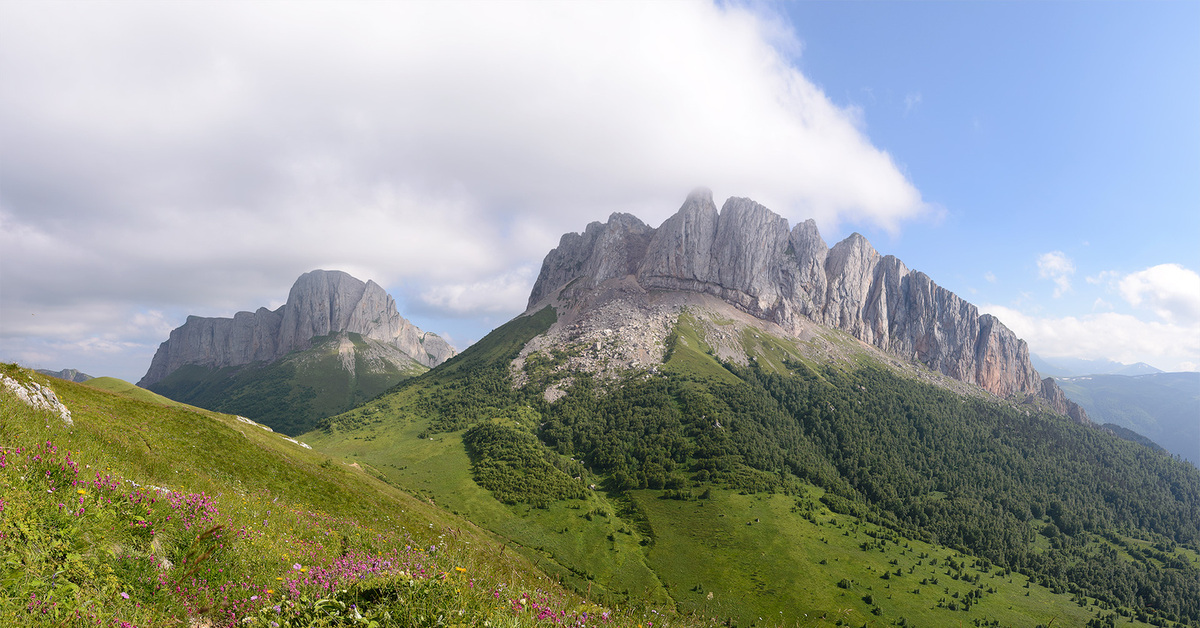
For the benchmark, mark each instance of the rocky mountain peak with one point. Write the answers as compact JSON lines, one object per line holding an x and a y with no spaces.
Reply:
{"x":320,"y":302}
{"x":747,"y":255}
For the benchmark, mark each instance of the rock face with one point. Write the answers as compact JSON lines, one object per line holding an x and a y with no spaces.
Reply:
{"x":37,"y":396}
{"x":746,"y":255}
{"x":320,"y":303}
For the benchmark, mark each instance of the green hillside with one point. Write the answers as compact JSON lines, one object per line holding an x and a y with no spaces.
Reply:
{"x":290,"y":395}
{"x":139,"y":514}
{"x":120,"y":386}
{"x":791,"y":492}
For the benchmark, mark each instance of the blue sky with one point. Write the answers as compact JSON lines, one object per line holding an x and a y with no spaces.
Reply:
{"x":1042,"y":160}
{"x":1037,"y":128}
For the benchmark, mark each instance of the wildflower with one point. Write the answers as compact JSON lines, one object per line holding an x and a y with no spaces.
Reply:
{"x":270,"y":591}
{"x":296,"y":566}
{"x":460,"y":570}
{"x":124,"y":595}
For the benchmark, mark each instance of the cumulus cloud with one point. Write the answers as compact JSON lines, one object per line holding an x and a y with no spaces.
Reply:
{"x":1170,"y":290}
{"x":1057,"y":267}
{"x":193,"y":157}
{"x":1107,"y":335}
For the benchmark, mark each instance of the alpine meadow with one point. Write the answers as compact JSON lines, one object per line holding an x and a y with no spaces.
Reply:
{"x":692,"y":314}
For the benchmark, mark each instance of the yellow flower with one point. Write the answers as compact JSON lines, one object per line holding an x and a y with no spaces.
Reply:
{"x":270,"y":591}
{"x":460,"y":570}
{"x":81,"y":492}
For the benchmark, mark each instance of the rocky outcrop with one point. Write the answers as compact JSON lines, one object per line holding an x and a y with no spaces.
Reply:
{"x":320,"y":303}
{"x":746,"y":255}
{"x":1059,"y":402}
{"x":38,"y":397}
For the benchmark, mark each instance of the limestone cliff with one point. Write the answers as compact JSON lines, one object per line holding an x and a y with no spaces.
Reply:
{"x":746,"y":255}
{"x":320,"y":303}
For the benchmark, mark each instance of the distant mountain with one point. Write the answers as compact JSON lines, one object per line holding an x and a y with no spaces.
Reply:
{"x":1164,"y":407}
{"x":1070,"y":367}
{"x":336,"y":342}
{"x":71,"y":375}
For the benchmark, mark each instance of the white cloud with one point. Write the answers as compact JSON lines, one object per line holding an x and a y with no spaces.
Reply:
{"x":1057,"y":267}
{"x":1103,"y":277}
{"x":507,"y":292}
{"x":1107,"y":335}
{"x":990,"y":277}
{"x":1170,"y":290}
{"x":193,"y":157}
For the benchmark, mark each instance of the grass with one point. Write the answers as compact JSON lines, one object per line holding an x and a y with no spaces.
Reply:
{"x":775,"y":557}
{"x":140,"y":514}
{"x":781,"y":558}
{"x":120,"y":386}
{"x":694,"y":357}
{"x":569,"y":539}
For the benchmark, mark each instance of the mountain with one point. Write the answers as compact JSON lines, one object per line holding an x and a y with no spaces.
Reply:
{"x":1164,"y":407}
{"x":746,"y":256}
{"x":1068,"y":367}
{"x":336,"y":342}
{"x":726,"y":417}
{"x":321,"y":302}
{"x":71,"y":375}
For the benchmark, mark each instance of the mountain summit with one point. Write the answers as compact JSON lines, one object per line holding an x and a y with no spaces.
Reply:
{"x":747,"y":256}
{"x":336,"y":343}
{"x":320,"y":303}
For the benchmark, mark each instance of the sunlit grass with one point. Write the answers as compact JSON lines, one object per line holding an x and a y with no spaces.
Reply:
{"x":140,"y":515}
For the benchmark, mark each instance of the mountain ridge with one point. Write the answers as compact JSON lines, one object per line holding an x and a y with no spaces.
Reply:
{"x":746,"y":255}
{"x":71,"y":375}
{"x":320,"y":302}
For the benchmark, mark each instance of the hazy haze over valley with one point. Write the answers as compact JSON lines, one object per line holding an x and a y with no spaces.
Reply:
{"x":166,"y":160}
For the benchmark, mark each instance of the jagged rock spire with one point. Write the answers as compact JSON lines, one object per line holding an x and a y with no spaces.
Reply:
{"x":746,"y":255}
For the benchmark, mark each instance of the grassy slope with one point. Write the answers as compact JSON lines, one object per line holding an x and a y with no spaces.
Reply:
{"x":122,"y":387}
{"x":562,"y":539}
{"x":650,"y":547}
{"x":278,"y":505}
{"x":760,"y":556}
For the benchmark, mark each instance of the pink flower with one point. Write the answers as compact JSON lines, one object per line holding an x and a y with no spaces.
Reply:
{"x":124,"y":595}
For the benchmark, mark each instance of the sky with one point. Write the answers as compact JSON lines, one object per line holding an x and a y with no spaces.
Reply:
{"x":1041,"y":160}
